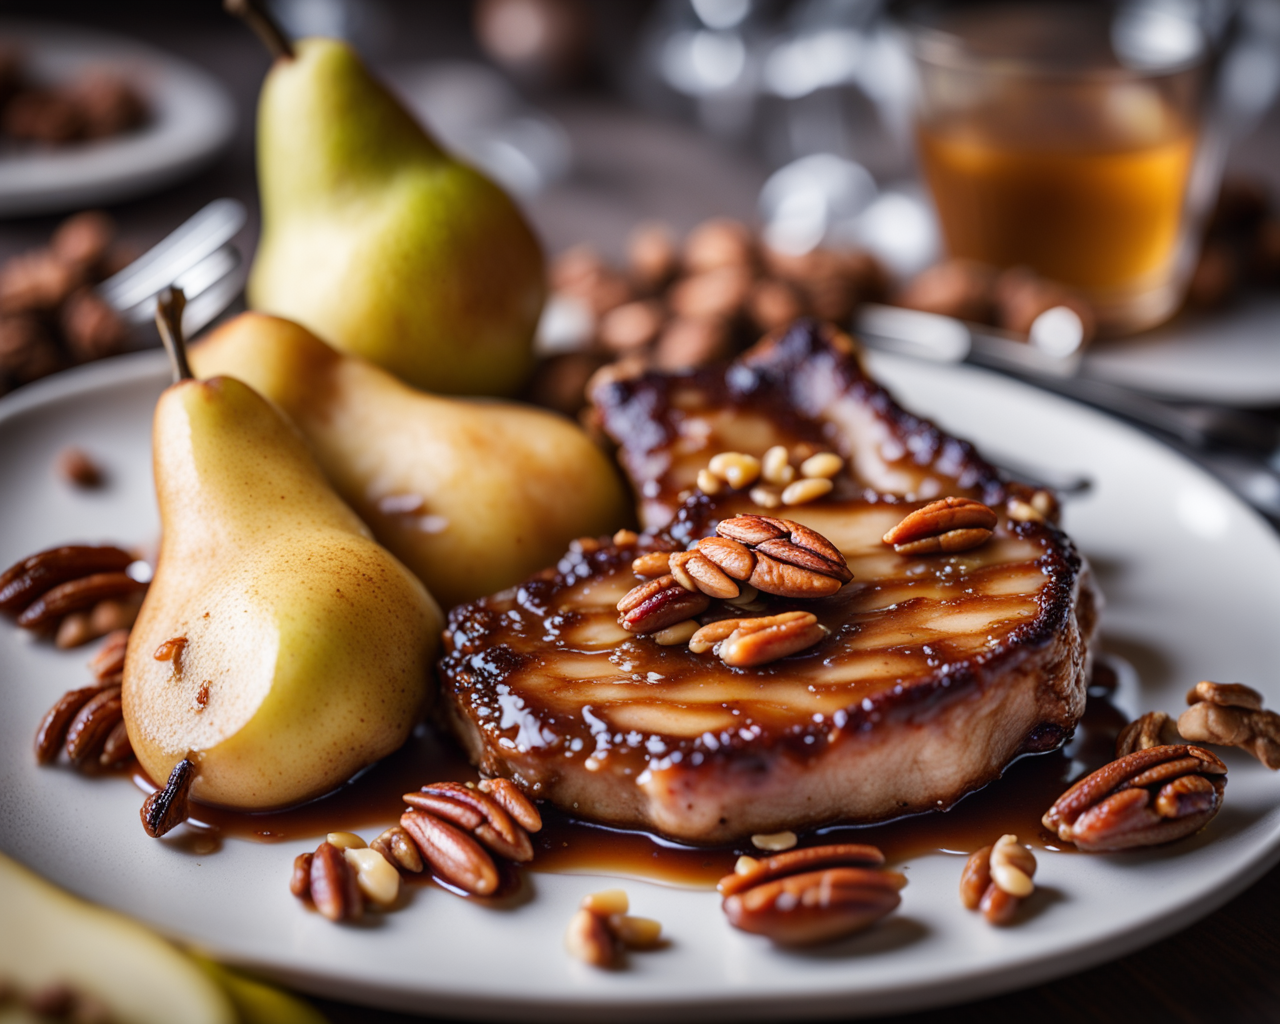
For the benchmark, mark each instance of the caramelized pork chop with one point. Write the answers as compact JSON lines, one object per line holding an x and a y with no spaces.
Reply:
{"x":936,"y":672}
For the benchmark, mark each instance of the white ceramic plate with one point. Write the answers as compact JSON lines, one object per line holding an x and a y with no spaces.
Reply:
{"x":1193,"y":580}
{"x":192,"y":118}
{"x":1230,"y":355}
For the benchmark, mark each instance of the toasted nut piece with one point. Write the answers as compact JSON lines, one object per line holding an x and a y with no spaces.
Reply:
{"x":786,"y":580}
{"x":635,"y":932}
{"x":514,"y":802}
{"x":589,"y":939}
{"x":76,"y":467}
{"x":88,"y":731}
{"x":114,"y":614}
{"x":1230,"y":695}
{"x":951,"y":524}
{"x":76,"y":595}
{"x":300,"y":881}
{"x":765,"y":496}
{"x":711,"y":634}
{"x":774,"y":842}
{"x":733,"y":558}
{"x":378,"y":880}
{"x":1154,"y":729}
{"x":694,"y":571}
{"x":398,"y":848}
{"x":334,"y":889}
{"x":1045,"y":503}
{"x":776,"y":466}
{"x":719,"y":242}
{"x":477,"y":811}
{"x":975,"y":879}
{"x":454,"y":856}
{"x":1186,"y":795}
{"x":824,"y":464}
{"x":737,"y":469}
{"x":998,"y":906}
{"x":769,"y":638}
{"x":747,"y":595}
{"x":625,"y":538}
{"x":651,"y":254}
{"x":1110,"y":809}
{"x":167,"y":808}
{"x":1257,"y":732}
{"x":35,"y":575}
{"x":794,"y":862}
{"x":662,"y":603}
{"x":708,"y":482}
{"x":118,"y":748}
{"x":1012,"y":867}
{"x":754,"y":644}
{"x":680,"y":633}
{"x":1023,"y":512}
{"x":651,"y":565}
{"x":816,"y":906}
{"x":752,"y":530}
{"x":74,"y":631}
{"x":52,"y":732}
{"x":630,"y":326}
{"x":345,"y":841}
{"x":804,"y":491}
{"x":606,"y":902}
{"x":110,"y":657}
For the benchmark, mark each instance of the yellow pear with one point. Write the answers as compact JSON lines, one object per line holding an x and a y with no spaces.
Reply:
{"x":51,"y":938}
{"x":472,"y":495}
{"x":279,"y":646}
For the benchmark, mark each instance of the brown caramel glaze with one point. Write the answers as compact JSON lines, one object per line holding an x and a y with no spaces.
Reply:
{"x":542,"y":685}
{"x":800,"y":386}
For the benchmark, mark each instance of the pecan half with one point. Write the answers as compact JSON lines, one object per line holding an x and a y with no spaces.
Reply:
{"x":1232,"y":715}
{"x":1154,"y":729}
{"x":455,"y":858}
{"x":24,"y":582}
{"x":76,"y":595}
{"x":107,"y":665}
{"x":52,"y":732}
{"x":167,"y":808}
{"x":777,"y":556}
{"x":87,"y":734}
{"x":1139,"y":800}
{"x":950,"y":524}
{"x":478,"y":813}
{"x":803,"y":897}
{"x":769,"y":638}
{"x":396,"y":845}
{"x":695,"y":572}
{"x":514,"y":802}
{"x":997,"y":878}
{"x":660,"y":603}
{"x":333,"y":887}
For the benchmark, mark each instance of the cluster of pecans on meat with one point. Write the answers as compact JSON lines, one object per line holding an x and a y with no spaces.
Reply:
{"x":74,"y":593}
{"x":779,"y":477}
{"x":50,"y":315}
{"x":602,"y":929}
{"x":677,"y":306}
{"x":94,"y":105}
{"x":749,"y":555}
{"x":463,"y":833}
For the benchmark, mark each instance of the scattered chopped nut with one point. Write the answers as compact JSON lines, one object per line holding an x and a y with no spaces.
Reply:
{"x":824,"y":464}
{"x":77,"y":468}
{"x":601,"y":928}
{"x":804,"y":491}
{"x":737,"y":469}
{"x":1231,"y":714}
{"x":774,"y":842}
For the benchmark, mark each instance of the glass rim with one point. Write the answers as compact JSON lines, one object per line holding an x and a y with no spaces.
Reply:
{"x":940,"y":47}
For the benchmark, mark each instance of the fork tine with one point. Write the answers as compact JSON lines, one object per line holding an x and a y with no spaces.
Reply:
{"x":193,"y":241}
{"x":205,"y":274}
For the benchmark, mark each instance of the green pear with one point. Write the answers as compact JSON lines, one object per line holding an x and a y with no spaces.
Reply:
{"x":472,"y":495}
{"x":382,"y":243}
{"x":302,"y":650}
{"x":51,"y":938}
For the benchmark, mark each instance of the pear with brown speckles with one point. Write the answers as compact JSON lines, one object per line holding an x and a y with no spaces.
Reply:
{"x":308,"y":646}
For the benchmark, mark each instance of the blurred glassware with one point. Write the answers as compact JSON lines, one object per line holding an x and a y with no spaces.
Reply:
{"x":476,"y":113}
{"x":1084,"y":140}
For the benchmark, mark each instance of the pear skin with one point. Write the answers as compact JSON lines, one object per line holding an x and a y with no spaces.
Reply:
{"x":473,"y":496}
{"x":380,"y":242}
{"x":308,"y":647}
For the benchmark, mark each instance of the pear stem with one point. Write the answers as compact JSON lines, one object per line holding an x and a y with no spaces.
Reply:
{"x":169,"y":306}
{"x":263,"y":24}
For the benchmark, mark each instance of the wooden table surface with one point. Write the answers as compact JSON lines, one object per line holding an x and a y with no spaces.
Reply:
{"x":629,"y":166}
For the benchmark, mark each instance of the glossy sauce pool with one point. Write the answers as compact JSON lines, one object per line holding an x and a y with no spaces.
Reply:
{"x":1012,"y":804}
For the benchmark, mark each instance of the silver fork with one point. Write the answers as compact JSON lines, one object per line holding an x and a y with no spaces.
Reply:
{"x":197,"y":257}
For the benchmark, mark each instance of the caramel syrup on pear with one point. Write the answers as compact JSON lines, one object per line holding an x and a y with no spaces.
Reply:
{"x":1012,"y":804}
